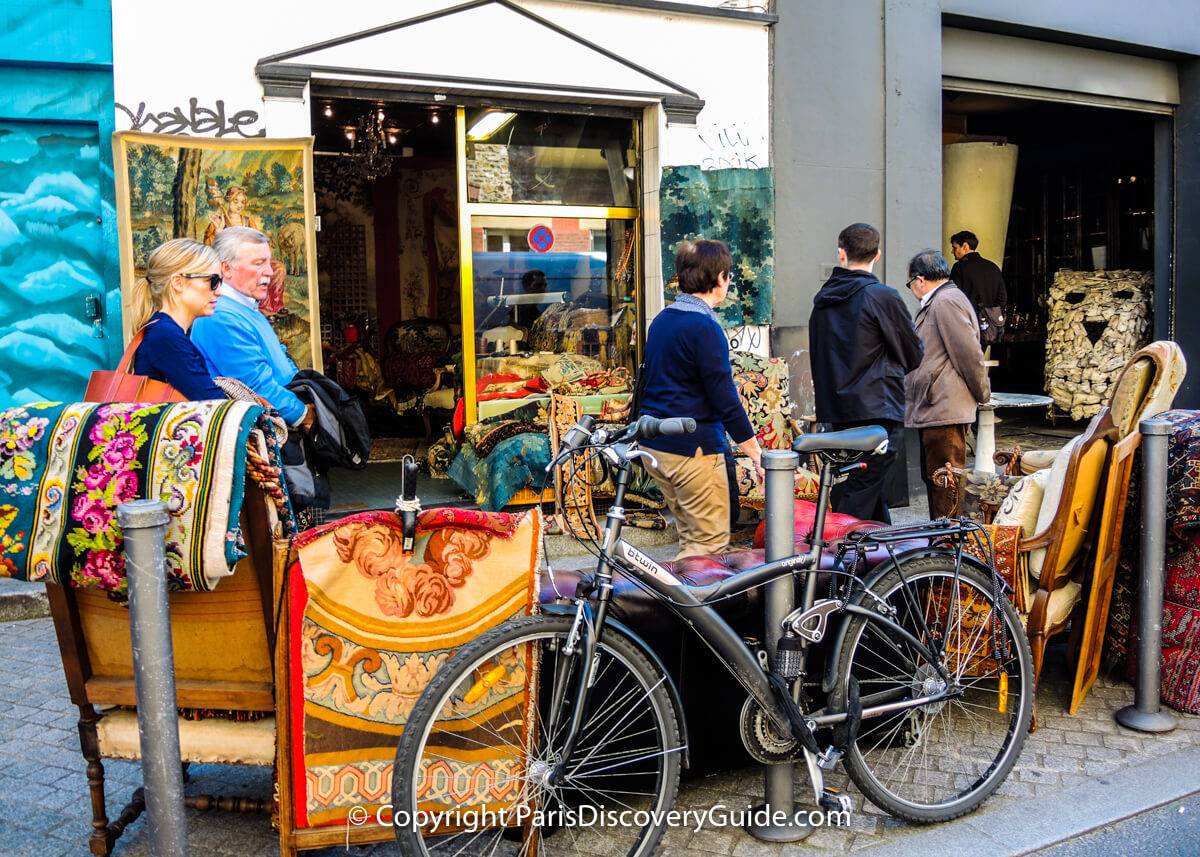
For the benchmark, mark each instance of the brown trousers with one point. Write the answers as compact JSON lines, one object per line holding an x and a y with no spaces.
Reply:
{"x":942,"y":445}
{"x":696,"y":489}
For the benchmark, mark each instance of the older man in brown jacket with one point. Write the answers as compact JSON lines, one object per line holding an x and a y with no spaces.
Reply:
{"x":944,"y":392}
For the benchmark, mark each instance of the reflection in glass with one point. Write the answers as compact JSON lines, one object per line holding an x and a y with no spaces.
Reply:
{"x":550,"y":158}
{"x":560,"y":320}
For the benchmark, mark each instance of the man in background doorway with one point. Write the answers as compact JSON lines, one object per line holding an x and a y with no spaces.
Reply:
{"x":863,"y":343}
{"x":944,"y":392}
{"x":982,"y":282}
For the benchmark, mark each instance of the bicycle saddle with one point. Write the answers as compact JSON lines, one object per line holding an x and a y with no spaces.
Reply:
{"x":864,"y":439}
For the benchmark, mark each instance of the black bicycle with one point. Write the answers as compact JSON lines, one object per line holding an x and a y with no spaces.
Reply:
{"x":562,"y":732}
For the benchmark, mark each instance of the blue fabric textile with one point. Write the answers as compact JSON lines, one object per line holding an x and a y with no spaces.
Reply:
{"x":687,"y":374}
{"x":515,"y":463}
{"x":238,"y":342}
{"x":166,"y":354}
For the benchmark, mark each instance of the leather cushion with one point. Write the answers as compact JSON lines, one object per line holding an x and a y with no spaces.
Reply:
{"x":837,"y":525}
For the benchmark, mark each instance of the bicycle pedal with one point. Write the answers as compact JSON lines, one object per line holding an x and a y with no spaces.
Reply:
{"x":835,"y":801}
{"x":830,"y":758}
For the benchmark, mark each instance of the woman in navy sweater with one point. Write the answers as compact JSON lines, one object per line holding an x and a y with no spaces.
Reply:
{"x":182,"y":277}
{"x":686,"y":373}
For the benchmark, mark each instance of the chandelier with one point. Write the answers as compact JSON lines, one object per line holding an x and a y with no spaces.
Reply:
{"x":370,"y":157}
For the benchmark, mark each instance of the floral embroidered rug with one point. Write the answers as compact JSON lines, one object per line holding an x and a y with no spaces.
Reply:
{"x":64,"y":469}
{"x":368,"y":627}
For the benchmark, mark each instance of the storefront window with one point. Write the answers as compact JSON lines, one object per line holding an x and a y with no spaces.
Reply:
{"x":555,"y":309}
{"x":545,"y":158}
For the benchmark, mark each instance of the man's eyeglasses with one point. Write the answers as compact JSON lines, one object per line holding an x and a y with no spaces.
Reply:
{"x":214,"y":280}
{"x":912,"y":280}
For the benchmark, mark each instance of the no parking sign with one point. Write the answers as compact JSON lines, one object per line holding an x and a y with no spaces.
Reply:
{"x":541,"y":238}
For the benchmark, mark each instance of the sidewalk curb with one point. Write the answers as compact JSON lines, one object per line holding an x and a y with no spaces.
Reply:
{"x":1024,"y":826}
{"x":20,"y":600}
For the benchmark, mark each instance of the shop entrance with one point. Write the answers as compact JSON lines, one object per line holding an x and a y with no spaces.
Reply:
{"x":388,"y":277}
{"x":1082,"y":215}
{"x":471,"y":260}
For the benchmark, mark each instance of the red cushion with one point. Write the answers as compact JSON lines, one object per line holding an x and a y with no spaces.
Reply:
{"x":837,"y":525}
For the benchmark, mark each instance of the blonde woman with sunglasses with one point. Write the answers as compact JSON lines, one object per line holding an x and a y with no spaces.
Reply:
{"x":181,"y":282}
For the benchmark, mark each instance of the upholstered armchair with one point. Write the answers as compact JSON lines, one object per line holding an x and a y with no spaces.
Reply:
{"x":762,"y":384}
{"x":417,"y":366}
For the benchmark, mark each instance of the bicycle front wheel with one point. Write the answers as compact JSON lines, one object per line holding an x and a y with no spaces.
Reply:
{"x":937,"y":761}
{"x":473,"y":767}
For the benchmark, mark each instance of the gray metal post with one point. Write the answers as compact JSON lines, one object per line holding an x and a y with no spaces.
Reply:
{"x":1146,"y":714}
{"x":780,"y":467}
{"x":143,"y":523}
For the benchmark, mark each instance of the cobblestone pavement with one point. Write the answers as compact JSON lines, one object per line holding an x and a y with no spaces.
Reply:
{"x":44,"y":806}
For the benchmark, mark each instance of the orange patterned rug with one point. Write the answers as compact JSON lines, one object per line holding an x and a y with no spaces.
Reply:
{"x":369,"y":627}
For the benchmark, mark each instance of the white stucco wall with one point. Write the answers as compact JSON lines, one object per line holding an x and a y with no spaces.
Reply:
{"x":161,"y":62}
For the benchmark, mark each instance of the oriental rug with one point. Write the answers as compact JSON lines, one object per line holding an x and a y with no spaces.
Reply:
{"x":369,"y":625}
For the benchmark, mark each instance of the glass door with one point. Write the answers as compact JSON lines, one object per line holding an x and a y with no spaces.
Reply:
{"x":549,"y":258}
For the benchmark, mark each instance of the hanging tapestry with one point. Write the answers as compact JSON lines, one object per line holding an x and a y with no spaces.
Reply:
{"x":169,"y":186}
{"x":64,"y":469}
{"x":368,"y":627}
{"x":736,"y":206}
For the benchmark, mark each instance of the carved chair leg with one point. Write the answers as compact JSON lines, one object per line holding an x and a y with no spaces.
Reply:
{"x":101,"y":841}
{"x":1037,"y":645}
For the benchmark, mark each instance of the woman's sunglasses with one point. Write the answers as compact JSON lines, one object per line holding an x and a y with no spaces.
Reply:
{"x":214,"y":280}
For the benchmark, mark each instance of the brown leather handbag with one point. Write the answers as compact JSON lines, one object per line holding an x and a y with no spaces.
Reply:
{"x":120,"y":385}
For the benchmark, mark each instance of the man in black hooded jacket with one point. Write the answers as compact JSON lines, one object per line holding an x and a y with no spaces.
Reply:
{"x":863,"y":343}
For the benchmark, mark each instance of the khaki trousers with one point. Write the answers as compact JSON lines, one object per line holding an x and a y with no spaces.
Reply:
{"x":696,"y":489}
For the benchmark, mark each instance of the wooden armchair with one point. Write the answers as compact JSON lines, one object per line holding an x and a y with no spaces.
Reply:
{"x":1057,"y":549}
{"x":1083,"y":512}
{"x":223,"y":642}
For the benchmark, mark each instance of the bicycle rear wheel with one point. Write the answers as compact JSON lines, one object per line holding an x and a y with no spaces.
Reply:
{"x":471,"y":774}
{"x":938,"y":761}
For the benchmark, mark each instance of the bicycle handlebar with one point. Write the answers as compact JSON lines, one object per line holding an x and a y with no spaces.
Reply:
{"x":644,"y":428}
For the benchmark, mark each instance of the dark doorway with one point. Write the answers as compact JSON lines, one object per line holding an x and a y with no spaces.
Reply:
{"x":1083,"y":200}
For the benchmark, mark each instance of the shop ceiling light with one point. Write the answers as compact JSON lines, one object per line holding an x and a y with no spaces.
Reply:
{"x":328,"y":110}
{"x":488,"y":124}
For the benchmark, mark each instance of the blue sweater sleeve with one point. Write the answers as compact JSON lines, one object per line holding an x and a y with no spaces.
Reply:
{"x":239,"y":355}
{"x":712,"y":360}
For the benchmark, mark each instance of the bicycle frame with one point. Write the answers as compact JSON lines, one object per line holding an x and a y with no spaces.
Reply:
{"x":693,"y":606}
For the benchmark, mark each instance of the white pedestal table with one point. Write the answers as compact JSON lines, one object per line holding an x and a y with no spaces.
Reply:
{"x":985,"y":431}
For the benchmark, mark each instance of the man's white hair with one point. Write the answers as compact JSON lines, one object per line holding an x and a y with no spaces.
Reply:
{"x":230,"y":239}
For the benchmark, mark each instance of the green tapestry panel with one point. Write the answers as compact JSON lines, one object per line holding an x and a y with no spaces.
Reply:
{"x":736,"y":206}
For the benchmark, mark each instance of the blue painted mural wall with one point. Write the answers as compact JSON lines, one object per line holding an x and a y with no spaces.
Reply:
{"x":58,"y":232}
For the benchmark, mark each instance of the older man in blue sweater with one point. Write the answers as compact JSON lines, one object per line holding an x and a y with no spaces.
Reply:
{"x":237,"y":340}
{"x":687,"y":374}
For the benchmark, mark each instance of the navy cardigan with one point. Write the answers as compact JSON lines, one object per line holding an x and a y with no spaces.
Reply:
{"x":686,"y":373}
{"x":166,"y":354}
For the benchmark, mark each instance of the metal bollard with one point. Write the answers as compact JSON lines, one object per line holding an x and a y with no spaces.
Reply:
{"x":1146,"y":714}
{"x":780,"y":467}
{"x":143,"y":523}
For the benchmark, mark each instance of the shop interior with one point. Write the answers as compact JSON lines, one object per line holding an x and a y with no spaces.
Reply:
{"x":1082,"y":200}
{"x":557,"y":281}
{"x":387,"y":263}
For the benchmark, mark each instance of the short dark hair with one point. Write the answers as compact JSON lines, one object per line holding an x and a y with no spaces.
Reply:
{"x":860,"y":241}
{"x":698,"y":265}
{"x":930,"y":264}
{"x":965,"y":237}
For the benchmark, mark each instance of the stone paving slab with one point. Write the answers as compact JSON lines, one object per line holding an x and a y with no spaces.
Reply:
{"x":45,"y":810}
